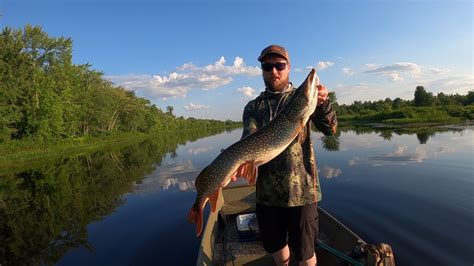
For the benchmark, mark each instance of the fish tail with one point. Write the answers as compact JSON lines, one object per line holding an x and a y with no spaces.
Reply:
{"x":213,"y":199}
{"x":195,"y":216}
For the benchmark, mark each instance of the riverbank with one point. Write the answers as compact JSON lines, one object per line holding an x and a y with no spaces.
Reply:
{"x":412,"y":116}
{"x":14,"y":153}
{"x":18,"y":152}
{"x":417,"y":125}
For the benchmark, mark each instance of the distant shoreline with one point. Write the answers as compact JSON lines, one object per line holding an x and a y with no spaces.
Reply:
{"x":414,"y":125}
{"x":16,"y":153}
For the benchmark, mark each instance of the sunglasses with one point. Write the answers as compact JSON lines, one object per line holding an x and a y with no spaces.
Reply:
{"x":269,"y":67}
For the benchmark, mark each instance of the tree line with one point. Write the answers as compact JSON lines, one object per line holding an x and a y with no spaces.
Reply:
{"x":422,"y":98}
{"x":424,"y":107}
{"x":44,"y":96}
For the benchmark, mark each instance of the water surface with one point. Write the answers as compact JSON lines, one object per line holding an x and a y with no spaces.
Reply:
{"x":128,"y":205}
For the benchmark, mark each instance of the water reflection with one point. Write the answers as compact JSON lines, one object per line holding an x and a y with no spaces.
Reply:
{"x":330,"y":172}
{"x":422,"y":134}
{"x":45,"y":210}
{"x":331,"y":143}
{"x":124,"y":204}
{"x":169,"y":177}
{"x":197,"y":150}
{"x":402,"y":154}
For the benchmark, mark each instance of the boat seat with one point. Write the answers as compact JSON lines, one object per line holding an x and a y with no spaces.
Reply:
{"x":238,"y":207}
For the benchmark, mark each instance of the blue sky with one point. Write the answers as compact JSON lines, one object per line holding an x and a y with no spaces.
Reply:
{"x":201,"y":56}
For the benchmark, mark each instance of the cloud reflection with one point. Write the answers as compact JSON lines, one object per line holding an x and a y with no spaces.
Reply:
{"x":330,"y":172}
{"x":169,"y":177}
{"x":197,"y":150}
{"x":401,"y":154}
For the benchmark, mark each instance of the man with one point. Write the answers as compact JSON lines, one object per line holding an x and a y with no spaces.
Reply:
{"x":288,"y":186}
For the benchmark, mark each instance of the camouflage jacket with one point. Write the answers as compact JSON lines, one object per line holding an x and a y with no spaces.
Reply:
{"x":291,"y":178}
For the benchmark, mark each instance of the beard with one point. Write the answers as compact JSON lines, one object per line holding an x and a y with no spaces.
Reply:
{"x":276,"y":85}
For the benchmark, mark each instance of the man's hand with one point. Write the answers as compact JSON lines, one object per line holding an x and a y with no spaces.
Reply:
{"x":322,"y":94}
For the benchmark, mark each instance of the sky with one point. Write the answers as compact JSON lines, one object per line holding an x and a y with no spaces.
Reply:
{"x":201,"y":56}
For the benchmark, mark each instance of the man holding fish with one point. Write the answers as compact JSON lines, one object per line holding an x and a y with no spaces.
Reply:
{"x":287,"y":186}
{"x":276,"y":147}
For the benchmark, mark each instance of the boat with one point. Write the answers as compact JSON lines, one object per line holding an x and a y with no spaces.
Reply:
{"x":221,"y":242}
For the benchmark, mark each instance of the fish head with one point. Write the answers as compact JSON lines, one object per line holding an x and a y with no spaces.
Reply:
{"x":305,"y":99}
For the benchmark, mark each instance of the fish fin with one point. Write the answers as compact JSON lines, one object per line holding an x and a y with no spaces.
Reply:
{"x":302,"y":134}
{"x":234,"y":176}
{"x":213,"y":199}
{"x":195,"y":217}
{"x":248,"y":170}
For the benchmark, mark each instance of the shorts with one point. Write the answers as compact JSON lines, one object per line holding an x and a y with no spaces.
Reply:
{"x":295,"y":226}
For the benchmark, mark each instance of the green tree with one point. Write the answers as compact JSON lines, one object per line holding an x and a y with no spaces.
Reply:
{"x":397,"y":103}
{"x":44,"y":96}
{"x":469,"y":98}
{"x":422,"y":97}
{"x":169,"y":110}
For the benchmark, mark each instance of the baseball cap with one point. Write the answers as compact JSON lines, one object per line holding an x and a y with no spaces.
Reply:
{"x":274,"y":49}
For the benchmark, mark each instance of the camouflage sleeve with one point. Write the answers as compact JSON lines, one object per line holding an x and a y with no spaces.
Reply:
{"x":248,"y":120}
{"x":325,"y":119}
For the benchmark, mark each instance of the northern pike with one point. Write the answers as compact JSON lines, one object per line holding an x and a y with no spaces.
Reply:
{"x":242,"y":158}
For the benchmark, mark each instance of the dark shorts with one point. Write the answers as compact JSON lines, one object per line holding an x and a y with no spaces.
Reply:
{"x":295,"y":226}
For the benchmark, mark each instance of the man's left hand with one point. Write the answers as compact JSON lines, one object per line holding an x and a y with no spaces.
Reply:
{"x":322,"y":94}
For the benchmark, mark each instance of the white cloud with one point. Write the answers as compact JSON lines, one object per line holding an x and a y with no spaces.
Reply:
{"x":371,"y":66}
{"x":347,"y":71}
{"x":321,"y":65}
{"x":193,"y":106}
{"x":187,"y":66}
{"x":186,"y":78}
{"x":452,"y":85}
{"x":439,"y":71}
{"x":394,"y":71}
{"x":346,"y":94}
{"x":238,"y":68}
{"x":324,"y":64}
{"x":247,"y":91}
{"x":394,"y":76}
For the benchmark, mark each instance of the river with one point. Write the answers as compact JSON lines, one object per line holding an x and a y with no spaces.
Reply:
{"x":127,"y":205}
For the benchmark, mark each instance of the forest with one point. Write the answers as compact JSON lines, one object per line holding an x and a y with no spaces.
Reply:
{"x":44,"y":96}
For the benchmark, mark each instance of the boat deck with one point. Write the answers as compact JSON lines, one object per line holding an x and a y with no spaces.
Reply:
{"x":227,"y":247}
